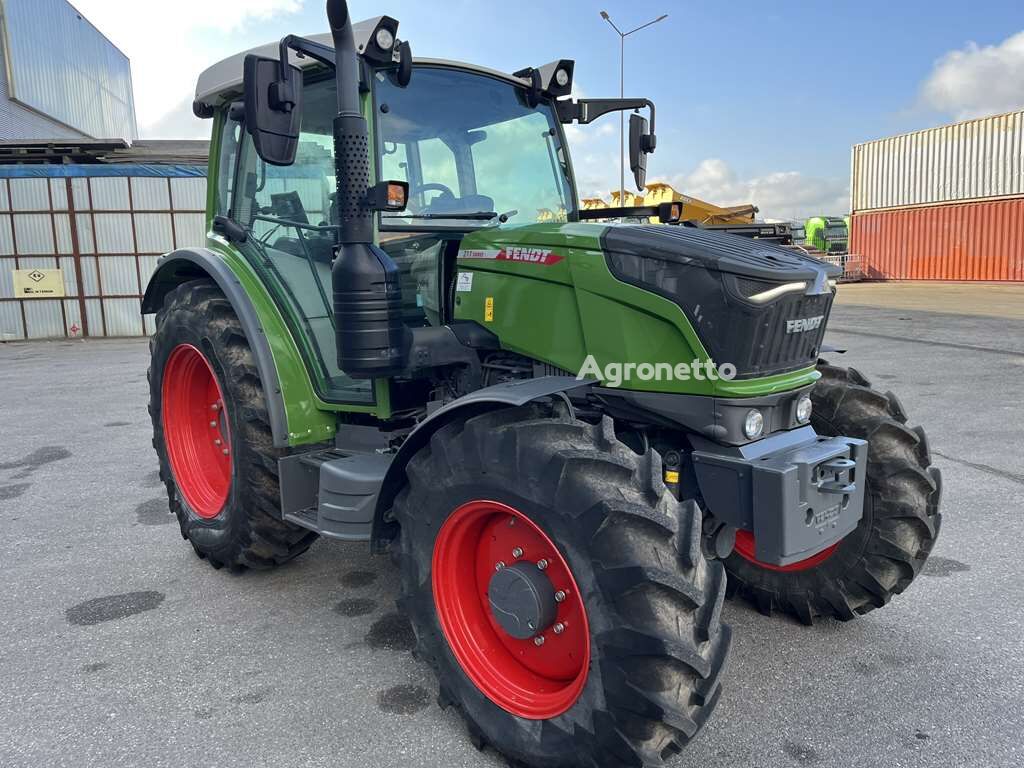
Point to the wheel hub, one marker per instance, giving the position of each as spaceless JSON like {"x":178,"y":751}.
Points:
{"x":522,"y":600}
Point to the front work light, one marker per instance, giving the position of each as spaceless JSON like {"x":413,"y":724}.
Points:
{"x":803,"y":408}
{"x":556,"y":77}
{"x":384,"y":38}
{"x":753,"y":425}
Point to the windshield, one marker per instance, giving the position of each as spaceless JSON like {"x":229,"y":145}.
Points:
{"x":472,"y":151}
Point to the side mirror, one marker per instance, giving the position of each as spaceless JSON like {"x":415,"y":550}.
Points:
{"x":641,"y":143}
{"x":273,"y":108}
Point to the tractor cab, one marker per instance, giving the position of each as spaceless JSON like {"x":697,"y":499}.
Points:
{"x":475,"y":149}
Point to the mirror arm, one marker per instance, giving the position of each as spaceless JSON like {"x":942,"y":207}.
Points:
{"x":282,"y":95}
{"x":304,"y":47}
{"x":588,"y":110}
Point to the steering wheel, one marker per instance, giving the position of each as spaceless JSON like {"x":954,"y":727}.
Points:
{"x":430,"y":187}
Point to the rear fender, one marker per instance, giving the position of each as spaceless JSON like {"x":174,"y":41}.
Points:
{"x":187,"y":264}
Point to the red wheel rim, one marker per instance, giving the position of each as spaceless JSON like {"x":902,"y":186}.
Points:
{"x":196,"y":431}
{"x":532,"y":681}
{"x":745,"y":548}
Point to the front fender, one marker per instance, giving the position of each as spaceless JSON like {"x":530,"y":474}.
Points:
{"x":511,"y":394}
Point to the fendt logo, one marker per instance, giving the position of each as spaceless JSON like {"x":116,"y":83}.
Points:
{"x":530,"y":255}
{"x":804,"y":324}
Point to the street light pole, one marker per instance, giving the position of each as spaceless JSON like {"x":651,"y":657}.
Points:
{"x":622,"y":93}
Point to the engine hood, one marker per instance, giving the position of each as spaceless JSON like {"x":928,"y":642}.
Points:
{"x":718,"y":251}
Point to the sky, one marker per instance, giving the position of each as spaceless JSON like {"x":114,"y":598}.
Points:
{"x":756,"y":102}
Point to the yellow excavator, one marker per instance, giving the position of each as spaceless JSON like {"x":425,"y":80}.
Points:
{"x":736,"y":219}
{"x":694,"y":209}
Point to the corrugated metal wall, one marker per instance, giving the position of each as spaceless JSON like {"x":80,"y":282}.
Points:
{"x":964,"y":241}
{"x":21,"y":122}
{"x":59,"y":64}
{"x":106,"y":234}
{"x":977,"y":159}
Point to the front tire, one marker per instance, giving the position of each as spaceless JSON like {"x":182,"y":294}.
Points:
{"x":605,"y":522}
{"x":901,"y":521}
{"x":212,"y":434}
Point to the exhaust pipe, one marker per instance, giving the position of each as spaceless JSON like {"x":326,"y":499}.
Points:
{"x":371,"y":339}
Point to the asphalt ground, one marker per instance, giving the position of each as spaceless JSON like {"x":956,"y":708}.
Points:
{"x":119,"y":647}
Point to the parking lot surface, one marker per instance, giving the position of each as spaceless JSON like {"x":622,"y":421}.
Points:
{"x":119,"y":647}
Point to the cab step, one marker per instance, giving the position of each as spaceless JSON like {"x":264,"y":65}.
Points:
{"x":332,"y":492}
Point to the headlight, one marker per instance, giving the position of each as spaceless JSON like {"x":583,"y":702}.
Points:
{"x":385,"y":39}
{"x":803,"y":409}
{"x":562,"y":77}
{"x":753,"y":425}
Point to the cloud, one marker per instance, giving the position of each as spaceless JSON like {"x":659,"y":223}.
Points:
{"x":779,"y":195}
{"x":977,"y":80}
{"x":170,"y":43}
{"x":179,"y":123}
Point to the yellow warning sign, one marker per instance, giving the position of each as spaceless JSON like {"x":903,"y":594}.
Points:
{"x":489,"y":309}
{"x":38,"y":283}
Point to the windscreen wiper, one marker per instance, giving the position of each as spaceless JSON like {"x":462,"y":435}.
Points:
{"x":476,"y":216}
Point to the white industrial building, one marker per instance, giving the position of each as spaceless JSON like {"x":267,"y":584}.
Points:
{"x":60,"y":78}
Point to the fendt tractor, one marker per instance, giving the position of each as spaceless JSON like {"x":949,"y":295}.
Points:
{"x":380,"y":343}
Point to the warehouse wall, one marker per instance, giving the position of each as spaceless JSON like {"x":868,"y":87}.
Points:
{"x":105,"y":234}
{"x":59,"y":65}
{"x":17,"y":121}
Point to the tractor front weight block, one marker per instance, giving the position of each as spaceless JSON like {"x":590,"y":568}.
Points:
{"x":798,"y":493}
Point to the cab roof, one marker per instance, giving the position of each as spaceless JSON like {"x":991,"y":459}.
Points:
{"x":222,"y":81}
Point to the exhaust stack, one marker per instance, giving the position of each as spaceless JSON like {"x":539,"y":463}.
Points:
{"x":371,"y":339}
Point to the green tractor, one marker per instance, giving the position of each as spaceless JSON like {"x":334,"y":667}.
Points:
{"x":380,"y":343}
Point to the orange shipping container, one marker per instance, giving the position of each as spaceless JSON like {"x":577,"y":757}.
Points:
{"x":962,"y":241}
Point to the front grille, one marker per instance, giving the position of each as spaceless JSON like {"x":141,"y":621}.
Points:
{"x":773,"y":347}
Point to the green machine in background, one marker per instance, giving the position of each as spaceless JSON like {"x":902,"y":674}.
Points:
{"x":828,"y":234}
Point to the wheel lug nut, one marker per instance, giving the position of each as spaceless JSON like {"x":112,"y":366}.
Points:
{"x":542,"y":564}
{"x":224,"y":451}
{"x":213,"y":423}
{"x":538,"y":640}
{"x":217,"y":441}
{"x":215,"y":407}
{"x":559,"y":628}
{"x":559,"y":596}
{"x":499,"y":565}
{"x":517,"y":552}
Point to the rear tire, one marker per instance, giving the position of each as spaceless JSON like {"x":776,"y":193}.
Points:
{"x":652,"y":602}
{"x":901,"y":521}
{"x":242,"y":528}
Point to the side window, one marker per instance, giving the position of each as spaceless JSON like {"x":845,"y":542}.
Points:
{"x":229,"y":135}
{"x":285,"y":209}
{"x":299,"y":192}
